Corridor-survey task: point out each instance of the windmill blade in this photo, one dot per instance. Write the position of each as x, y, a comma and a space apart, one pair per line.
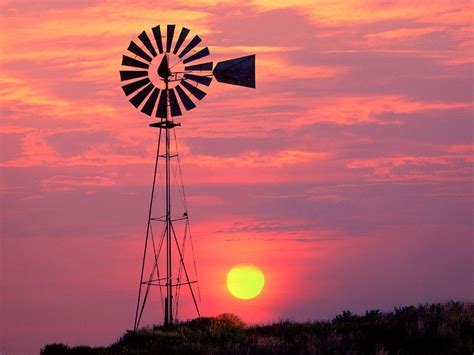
202, 53
205, 80
150, 103
142, 94
133, 47
157, 34
163, 105
169, 37
194, 42
238, 71
129, 88
147, 43
198, 93
132, 74
201, 67
187, 102
131, 62
182, 37
174, 105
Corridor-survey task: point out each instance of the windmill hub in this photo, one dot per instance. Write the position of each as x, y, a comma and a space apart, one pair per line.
157, 71
164, 68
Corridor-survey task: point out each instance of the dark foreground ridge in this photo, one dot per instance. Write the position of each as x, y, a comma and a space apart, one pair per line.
426, 329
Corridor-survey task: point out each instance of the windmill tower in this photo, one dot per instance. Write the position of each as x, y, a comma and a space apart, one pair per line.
160, 76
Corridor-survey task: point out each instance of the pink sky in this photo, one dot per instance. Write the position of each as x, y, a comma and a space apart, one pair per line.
346, 175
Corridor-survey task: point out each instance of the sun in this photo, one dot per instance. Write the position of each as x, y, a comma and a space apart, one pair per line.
245, 281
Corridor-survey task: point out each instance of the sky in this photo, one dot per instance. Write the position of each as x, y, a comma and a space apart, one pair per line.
346, 175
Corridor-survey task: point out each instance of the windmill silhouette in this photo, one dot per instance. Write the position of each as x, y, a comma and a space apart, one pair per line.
160, 77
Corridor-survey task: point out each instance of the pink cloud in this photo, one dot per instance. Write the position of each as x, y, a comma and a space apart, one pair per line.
70, 183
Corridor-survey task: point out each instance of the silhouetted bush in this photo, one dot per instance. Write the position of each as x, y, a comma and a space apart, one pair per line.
426, 329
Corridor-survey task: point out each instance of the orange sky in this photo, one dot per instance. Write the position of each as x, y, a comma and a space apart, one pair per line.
346, 175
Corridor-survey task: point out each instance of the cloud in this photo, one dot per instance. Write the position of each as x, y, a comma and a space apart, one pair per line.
62, 183
205, 200
454, 164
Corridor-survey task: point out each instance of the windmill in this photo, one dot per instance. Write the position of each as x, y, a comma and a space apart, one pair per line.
160, 77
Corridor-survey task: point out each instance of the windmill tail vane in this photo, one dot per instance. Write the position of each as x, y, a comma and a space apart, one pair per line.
163, 74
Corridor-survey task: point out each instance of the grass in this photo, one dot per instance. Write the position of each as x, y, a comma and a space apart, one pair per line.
425, 329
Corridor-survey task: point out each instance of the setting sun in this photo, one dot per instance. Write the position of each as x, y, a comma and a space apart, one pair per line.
245, 281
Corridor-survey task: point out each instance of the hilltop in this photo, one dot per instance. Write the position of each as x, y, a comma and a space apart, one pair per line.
425, 329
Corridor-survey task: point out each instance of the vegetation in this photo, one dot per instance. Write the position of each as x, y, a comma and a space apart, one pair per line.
426, 329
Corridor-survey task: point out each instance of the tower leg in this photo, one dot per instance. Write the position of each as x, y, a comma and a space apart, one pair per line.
138, 312
169, 271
